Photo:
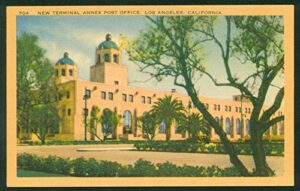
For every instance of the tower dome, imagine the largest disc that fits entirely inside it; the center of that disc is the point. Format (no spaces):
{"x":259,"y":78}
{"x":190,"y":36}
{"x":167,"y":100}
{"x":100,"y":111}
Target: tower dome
{"x":108,"y":43}
{"x":65,"y":60}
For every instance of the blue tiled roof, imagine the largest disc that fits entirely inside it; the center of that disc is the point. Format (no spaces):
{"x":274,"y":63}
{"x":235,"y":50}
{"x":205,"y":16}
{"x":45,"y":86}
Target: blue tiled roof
{"x":108,"y":44}
{"x":65,"y":60}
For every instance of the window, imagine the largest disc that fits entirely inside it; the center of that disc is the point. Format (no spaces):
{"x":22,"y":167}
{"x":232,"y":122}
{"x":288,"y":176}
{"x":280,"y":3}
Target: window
{"x":219,"y":107}
{"x":124,"y":97}
{"x":236,"y":109}
{"x":70,"y":72}
{"x":226,"y":108}
{"x":115,"y":58}
{"x":229,"y":108}
{"x":240,"y":109}
{"x":106,"y":57}
{"x":149,"y":100}
{"x":69,"y":112}
{"x":215,"y":107}
{"x":103,"y":95}
{"x":56,"y":72}
{"x":130,"y":98}
{"x":68,"y":94}
{"x":116,"y":82}
{"x":143,"y":99}
{"x":110,"y":96}
{"x":63,"y":72}
{"x":206,"y":106}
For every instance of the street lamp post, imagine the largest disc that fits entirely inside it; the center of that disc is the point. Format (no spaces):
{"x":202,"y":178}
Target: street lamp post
{"x":86,"y":96}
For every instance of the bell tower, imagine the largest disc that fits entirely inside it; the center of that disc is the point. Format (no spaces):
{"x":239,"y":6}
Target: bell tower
{"x":108,"y":68}
{"x":65,"y":69}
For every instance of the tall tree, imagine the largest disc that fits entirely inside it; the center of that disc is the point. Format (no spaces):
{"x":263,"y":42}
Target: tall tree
{"x":35,"y":79}
{"x":43,"y":119}
{"x":175,"y":46}
{"x":149,"y":125}
{"x":166,"y":110}
{"x":109,"y":121}
{"x":94,"y":120}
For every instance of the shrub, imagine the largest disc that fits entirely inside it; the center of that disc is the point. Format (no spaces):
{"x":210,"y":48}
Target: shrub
{"x":80,"y":167}
{"x":167,"y":169}
{"x":141,"y":168}
{"x":108,"y":168}
{"x":144,"y":168}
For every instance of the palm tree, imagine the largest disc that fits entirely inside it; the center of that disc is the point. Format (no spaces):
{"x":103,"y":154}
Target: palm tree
{"x":193,"y":124}
{"x":167,"y":110}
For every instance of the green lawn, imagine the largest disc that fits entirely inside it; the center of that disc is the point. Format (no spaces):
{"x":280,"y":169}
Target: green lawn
{"x":30,"y":173}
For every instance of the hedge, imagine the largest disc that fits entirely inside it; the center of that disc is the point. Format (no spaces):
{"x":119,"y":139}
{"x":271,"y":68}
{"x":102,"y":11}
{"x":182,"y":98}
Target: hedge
{"x":271,"y":148}
{"x":38,"y":143}
{"x":82,"y":167}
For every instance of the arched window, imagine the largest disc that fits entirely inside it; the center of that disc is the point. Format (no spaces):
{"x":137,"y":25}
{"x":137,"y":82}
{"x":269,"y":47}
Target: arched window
{"x":238,"y":127}
{"x":162,"y":127}
{"x":106,"y":57}
{"x":247,"y":127}
{"x":228,"y":126}
{"x":126,"y":119}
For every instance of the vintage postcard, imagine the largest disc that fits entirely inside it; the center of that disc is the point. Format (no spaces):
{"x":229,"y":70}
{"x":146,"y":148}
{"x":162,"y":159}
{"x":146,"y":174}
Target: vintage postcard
{"x":115,"y":96}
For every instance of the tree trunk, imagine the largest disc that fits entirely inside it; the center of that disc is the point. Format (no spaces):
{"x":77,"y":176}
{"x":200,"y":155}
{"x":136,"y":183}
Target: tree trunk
{"x":168,"y":132}
{"x":261,"y":166}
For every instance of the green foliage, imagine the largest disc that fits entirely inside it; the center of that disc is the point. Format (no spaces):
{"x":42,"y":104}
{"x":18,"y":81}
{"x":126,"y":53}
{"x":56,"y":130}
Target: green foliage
{"x":168,"y":109}
{"x":149,"y":125}
{"x":82,"y":167}
{"x":274,"y":149}
{"x":43,"y":119}
{"x":174,"y":46}
{"x":94,"y":120}
{"x":35,"y":85}
{"x":193,"y":124}
{"x":109,"y":122}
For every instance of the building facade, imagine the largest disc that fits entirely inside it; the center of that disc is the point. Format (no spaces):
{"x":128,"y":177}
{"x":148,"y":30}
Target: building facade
{"x":108,"y":90}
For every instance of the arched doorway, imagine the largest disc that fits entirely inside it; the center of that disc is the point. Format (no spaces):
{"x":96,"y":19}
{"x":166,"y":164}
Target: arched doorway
{"x":228,"y":126}
{"x":127,"y":119}
{"x":248,"y":127}
{"x":238,"y":127}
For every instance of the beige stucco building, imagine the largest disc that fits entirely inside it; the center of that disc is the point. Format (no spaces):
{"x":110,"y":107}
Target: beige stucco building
{"x":108,"y":89}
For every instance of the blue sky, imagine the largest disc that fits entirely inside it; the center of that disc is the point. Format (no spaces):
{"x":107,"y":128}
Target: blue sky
{"x":79,"y":35}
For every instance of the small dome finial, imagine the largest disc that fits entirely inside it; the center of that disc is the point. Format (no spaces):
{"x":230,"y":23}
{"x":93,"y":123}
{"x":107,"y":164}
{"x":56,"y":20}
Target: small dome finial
{"x":66,"y":55}
{"x":108,"y":37}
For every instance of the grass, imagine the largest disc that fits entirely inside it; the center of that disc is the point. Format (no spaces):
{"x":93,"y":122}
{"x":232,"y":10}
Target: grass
{"x":30,"y":173}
